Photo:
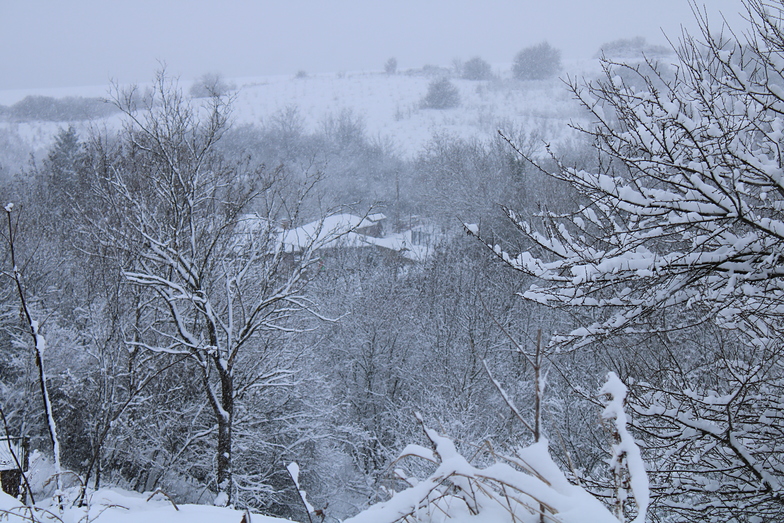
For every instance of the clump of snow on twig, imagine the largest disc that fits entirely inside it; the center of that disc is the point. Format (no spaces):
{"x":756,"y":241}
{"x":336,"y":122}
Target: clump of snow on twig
{"x":626,"y":448}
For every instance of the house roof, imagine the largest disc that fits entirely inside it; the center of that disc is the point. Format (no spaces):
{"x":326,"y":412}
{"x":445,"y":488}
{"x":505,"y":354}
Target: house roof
{"x":337,"y":230}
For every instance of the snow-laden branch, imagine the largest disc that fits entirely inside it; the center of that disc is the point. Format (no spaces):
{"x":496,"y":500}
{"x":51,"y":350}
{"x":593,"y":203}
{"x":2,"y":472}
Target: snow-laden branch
{"x":681,"y":225}
{"x":499,"y":492}
{"x":625,"y":452}
{"x":690,"y":209}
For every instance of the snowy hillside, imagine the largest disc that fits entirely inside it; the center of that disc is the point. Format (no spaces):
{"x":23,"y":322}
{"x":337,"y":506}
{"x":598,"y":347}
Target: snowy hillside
{"x":388,"y":105}
{"x":289,"y":386}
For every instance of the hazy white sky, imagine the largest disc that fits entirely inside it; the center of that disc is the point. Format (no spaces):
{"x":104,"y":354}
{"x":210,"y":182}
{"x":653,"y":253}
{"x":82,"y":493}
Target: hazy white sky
{"x":59,"y":43}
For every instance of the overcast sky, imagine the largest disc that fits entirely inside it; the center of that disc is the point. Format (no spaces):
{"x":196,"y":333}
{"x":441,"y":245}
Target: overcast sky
{"x":59,"y":43}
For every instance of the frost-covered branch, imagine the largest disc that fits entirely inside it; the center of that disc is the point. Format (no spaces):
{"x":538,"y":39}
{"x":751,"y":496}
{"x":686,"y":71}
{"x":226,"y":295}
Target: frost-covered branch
{"x":689,"y":212}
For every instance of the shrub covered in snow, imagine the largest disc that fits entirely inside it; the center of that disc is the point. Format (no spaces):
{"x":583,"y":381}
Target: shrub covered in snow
{"x":537,"y":62}
{"x":390,"y":67}
{"x":627,"y":48}
{"x":210,"y":84}
{"x":477,"y":69}
{"x":441,"y":94}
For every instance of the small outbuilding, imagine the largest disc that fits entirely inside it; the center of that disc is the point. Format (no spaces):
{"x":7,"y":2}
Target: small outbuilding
{"x":14,"y":462}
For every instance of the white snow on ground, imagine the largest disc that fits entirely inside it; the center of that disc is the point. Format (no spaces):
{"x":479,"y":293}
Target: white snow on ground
{"x":117,"y":506}
{"x":389,"y":106}
{"x":498,"y":493}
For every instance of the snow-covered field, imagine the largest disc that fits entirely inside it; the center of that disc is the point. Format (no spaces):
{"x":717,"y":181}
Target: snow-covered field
{"x":388,"y":105}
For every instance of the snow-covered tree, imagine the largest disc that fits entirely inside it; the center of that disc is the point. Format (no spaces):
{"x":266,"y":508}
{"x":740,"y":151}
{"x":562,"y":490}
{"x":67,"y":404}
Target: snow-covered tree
{"x":477,"y":69}
{"x":682,"y":226}
{"x":220,"y":283}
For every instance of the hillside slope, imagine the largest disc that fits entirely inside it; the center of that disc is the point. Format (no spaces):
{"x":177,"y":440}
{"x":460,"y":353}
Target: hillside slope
{"x":389,"y":106}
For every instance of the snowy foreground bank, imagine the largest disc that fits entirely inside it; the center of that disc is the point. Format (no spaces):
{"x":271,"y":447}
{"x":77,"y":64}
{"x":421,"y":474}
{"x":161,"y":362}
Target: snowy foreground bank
{"x":520,"y":488}
{"x":117,"y":506}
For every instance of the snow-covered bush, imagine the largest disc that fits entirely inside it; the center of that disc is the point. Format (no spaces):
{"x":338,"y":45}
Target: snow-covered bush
{"x":477,"y":69}
{"x":210,"y":84}
{"x":632,"y":48}
{"x":67,"y":109}
{"x":515,"y":488}
{"x":537,"y":62}
{"x":390,"y":66}
{"x":441,"y":94}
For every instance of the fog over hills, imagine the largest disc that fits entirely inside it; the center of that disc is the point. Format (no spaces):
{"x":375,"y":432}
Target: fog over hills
{"x":88,"y":42}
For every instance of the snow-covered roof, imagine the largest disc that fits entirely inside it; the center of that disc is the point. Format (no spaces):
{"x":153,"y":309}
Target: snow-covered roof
{"x":376,"y":217}
{"x":341,"y":230}
{"x":337,"y":230}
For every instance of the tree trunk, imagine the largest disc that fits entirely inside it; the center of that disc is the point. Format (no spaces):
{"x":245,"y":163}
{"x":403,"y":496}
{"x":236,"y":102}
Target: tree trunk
{"x":225,"y":415}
